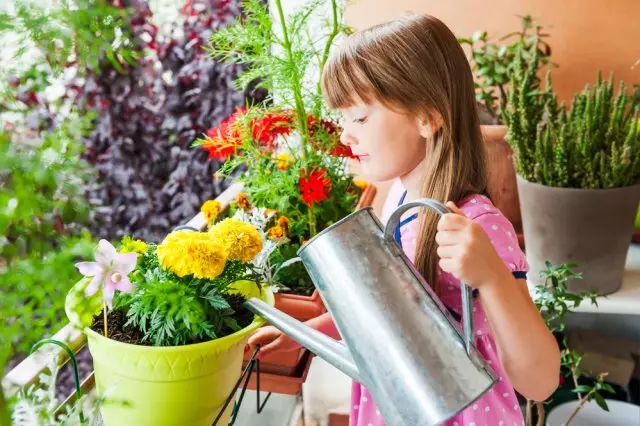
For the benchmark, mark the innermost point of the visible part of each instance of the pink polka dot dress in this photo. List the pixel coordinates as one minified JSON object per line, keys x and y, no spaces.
{"x":498,"y":407}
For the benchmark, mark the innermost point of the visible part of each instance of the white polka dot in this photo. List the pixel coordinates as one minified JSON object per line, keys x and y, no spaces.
{"x":369,"y":424}
{"x":475,"y":406}
{"x":479,"y":332}
{"x":456,"y":424}
{"x":467,"y":214}
{"x":501,"y":423}
{"x":355,"y":407}
{"x":472,"y":424}
{"x":512,"y":266}
{"x":515,"y":407}
{"x":510,"y":248}
{"x":486,"y":207}
{"x":494,"y":227}
{"x":475,"y":309}
{"x":506,"y":395}
{"x":450,"y":287}
{"x":365,"y":399}
{"x":489,"y":362}
{"x":487,"y":409}
{"x":378,"y":413}
{"x":509,"y":233}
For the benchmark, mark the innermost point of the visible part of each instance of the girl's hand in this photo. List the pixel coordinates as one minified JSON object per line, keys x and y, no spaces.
{"x":465,"y":250}
{"x":270,"y":340}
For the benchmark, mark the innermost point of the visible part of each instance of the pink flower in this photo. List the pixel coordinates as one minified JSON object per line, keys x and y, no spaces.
{"x":110,"y":270}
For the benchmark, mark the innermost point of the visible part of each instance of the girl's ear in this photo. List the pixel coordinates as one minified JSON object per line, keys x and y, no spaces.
{"x":429,"y":125}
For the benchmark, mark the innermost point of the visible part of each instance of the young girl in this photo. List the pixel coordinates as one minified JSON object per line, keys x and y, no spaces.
{"x":406,"y":94}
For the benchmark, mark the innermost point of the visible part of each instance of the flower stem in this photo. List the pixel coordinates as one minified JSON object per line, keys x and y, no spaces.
{"x":335,"y":29}
{"x":104,"y":312}
{"x":312,"y":223}
{"x":296,"y":83}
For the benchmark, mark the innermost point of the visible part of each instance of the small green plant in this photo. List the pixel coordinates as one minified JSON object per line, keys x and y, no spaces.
{"x":596,"y":144}
{"x":555,"y":301}
{"x":492,"y":63}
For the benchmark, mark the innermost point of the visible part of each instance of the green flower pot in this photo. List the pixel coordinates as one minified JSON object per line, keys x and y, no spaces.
{"x":167,"y":386}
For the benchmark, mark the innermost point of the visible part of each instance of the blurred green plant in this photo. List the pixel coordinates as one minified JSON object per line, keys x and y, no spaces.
{"x":42,"y":208}
{"x":83,"y":31}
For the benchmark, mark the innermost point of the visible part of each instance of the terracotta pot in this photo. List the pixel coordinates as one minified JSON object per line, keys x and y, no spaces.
{"x":280,"y":363}
{"x":283,"y":384}
{"x":589,"y":227}
{"x":300,"y":307}
{"x":304,"y":308}
{"x":502,"y":185}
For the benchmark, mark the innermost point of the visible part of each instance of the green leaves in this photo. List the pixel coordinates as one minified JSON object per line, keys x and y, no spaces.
{"x":493,"y":64}
{"x":87,"y":32}
{"x":595,"y":145}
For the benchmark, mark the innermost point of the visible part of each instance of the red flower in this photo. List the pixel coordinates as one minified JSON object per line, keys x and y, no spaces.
{"x":223,"y":141}
{"x":338,"y":149}
{"x":267,"y":128}
{"x":315,"y":187}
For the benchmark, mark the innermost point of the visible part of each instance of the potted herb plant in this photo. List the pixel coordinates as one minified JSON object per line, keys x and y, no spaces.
{"x":291,"y":151}
{"x":492,"y":64}
{"x":166,"y":323}
{"x":578,"y":174}
{"x":555,"y":301}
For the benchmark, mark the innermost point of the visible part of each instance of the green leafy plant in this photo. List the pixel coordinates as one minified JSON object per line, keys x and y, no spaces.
{"x":176,"y":293}
{"x":596,"y":144}
{"x":295,"y":162}
{"x":555,"y":302}
{"x":83,"y":30}
{"x":42,"y":209}
{"x":493,"y":63}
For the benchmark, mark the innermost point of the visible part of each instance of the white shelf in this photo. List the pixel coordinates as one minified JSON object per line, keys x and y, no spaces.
{"x":625,"y":301}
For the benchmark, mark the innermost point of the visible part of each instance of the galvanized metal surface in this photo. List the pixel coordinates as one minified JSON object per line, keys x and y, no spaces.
{"x":408,"y":351}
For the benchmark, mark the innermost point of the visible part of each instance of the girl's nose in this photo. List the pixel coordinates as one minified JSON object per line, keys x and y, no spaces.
{"x":347,"y":138}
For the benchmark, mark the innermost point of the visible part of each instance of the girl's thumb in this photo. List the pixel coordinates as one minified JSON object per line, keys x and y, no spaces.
{"x":455,"y":209}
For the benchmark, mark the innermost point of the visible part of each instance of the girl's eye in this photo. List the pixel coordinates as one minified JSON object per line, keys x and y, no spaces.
{"x":360,"y":120}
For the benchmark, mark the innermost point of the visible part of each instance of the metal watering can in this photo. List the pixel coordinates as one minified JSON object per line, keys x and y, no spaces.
{"x":402,"y":344}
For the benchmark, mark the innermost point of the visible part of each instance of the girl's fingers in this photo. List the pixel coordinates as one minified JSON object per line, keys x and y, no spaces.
{"x":446,"y":238}
{"x":455,"y":209}
{"x":451,"y":222}
{"x":446,"y":252}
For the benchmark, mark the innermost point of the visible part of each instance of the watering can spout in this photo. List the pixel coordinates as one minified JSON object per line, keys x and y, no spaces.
{"x":335,"y":353}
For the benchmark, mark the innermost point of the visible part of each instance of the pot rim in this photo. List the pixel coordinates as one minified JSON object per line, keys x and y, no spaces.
{"x":267,"y":296}
{"x":563,"y":188}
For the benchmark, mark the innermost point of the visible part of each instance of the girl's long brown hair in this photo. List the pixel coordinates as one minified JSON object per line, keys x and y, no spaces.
{"x":415,"y":64}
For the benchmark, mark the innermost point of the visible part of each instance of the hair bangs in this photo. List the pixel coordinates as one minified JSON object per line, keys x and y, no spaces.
{"x":345,"y":81}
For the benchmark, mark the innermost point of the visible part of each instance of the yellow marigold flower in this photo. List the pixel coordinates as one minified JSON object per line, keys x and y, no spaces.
{"x":284,"y":161}
{"x":211,"y":209}
{"x":275,"y":232}
{"x":361,"y":183}
{"x":241,"y":239}
{"x":243,"y":201}
{"x":192,"y":253}
{"x":129,"y":245}
{"x":283,"y":222}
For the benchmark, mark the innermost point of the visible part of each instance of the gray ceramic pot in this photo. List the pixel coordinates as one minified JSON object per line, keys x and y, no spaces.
{"x":589,"y":227}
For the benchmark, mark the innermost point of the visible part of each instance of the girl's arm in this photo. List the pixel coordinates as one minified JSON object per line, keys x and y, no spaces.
{"x":528,"y":351}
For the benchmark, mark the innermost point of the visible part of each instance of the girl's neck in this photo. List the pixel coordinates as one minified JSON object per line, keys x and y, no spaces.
{"x":413,"y":182}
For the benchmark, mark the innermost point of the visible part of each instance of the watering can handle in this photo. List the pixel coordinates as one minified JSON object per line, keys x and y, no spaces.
{"x":441,"y":209}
